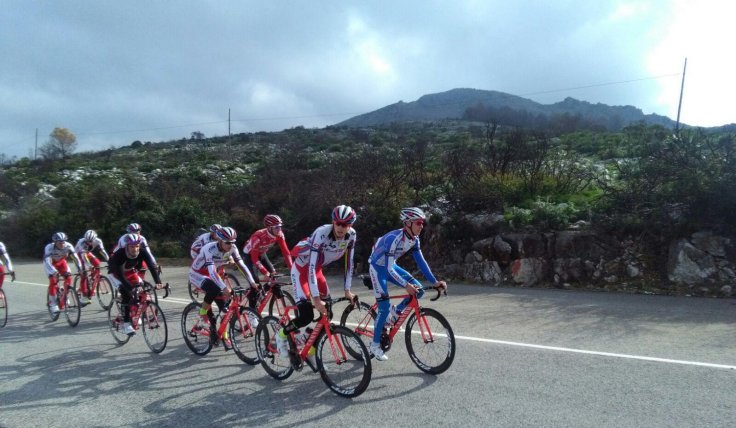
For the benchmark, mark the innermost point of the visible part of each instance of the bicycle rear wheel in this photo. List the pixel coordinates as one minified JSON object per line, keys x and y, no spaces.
{"x":430,"y":341}
{"x":345,"y":374}
{"x":3,"y":309}
{"x":242,"y":334}
{"x":105,"y":292}
{"x":196,"y":294}
{"x":195,"y":331}
{"x":115,"y":320}
{"x":72,"y":310}
{"x":276,"y":366}
{"x":155,"y":331}
{"x":280,"y":303}
{"x":53,"y":315}
{"x":361,"y":321}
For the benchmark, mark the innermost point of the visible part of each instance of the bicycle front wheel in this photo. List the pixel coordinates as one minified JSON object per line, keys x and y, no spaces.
{"x":430,"y":341}
{"x":152,"y":295}
{"x":105,"y":292}
{"x":361,"y":320}
{"x":196,"y":294}
{"x":155,"y":331}
{"x":194,"y":329}
{"x":72,"y":310}
{"x":243,"y":333}
{"x":277,"y":304}
{"x":3,"y":309}
{"x":345,"y":374}
{"x":276,"y":366}
{"x":115,"y":320}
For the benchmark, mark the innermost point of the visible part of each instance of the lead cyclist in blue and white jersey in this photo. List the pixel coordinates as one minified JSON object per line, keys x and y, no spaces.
{"x":383,"y":269}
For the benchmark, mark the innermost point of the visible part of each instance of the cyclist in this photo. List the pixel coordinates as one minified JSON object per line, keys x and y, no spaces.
{"x":205,"y":274}
{"x":54,"y":262}
{"x":85,"y":248}
{"x":256,"y":249}
{"x":327,"y":244}
{"x":136,"y":228}
{"x":5,"y":261}
{"x":203,"y":240}
{"x":383,"y":269}
{"x":124,"y":268}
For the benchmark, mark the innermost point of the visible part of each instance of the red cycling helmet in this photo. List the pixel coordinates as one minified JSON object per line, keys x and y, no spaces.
{"x":272,"y":220}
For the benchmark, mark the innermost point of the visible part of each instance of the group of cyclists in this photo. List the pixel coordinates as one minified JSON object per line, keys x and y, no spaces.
{"x":211,"y":251}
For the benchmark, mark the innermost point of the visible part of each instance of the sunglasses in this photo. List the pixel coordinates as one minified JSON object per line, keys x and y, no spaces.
{"x":342,"y":224}
{"x":420,"y":222}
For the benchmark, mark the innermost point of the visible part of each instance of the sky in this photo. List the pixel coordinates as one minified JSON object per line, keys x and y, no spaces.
{"x":113,"y":72}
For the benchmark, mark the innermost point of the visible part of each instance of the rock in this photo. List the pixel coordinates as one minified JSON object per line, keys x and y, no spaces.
{"x":529,"y":271}
{"x":726,"y":290}
{"x":689,"y":265}
{"x":632,"y":271}
{"x":473,"y":257}
{"x":707,"y":242}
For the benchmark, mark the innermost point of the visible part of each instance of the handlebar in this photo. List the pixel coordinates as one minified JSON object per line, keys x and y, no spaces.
{"x":440,"y":291}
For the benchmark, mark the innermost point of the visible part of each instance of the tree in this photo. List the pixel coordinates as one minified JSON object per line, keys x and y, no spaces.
{"x":61,"y":144}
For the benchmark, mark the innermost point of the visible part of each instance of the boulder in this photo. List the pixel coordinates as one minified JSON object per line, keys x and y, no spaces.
{"x":529,"y":271}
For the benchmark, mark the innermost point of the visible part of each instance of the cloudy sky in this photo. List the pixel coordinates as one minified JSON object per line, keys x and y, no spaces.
{"x":113,"y":72}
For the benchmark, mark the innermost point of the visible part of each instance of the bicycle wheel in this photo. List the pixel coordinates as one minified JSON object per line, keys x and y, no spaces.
{"x":105,"y":292}
{"x":280,"y":303}
{"x":155,"y":331}
{"x":345,"y":374}
{"x":53,"y":315}
{"x":115,"y":320}
{"x":152,"y":295}
{"x":72,"y":310}
{"x":361,"y":321}
{"x":231,"y":280}
{"x":195,"y":331}
{"x":3,"y":309}
{"x":276,"y":366}
{"x":430,"y":341}
{"x":243,"y":333}
{"x":196,"y":294}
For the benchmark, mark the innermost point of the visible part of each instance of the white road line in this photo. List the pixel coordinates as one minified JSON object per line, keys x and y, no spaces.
{"x":528,"y":345}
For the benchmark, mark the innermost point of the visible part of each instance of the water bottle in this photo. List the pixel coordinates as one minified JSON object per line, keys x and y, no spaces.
{"x":301,"y":338}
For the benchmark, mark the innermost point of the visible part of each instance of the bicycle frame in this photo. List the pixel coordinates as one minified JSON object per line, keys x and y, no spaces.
{"x":270,"y":294}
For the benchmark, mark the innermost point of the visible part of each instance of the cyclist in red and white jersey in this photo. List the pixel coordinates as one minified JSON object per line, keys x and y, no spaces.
{"x":327,"y":244}
{"x":54,"y":262}
{"x":136,"y":228}
{"x":256,"y":251}
{"x":5,"y":261}
{"x":203,"y":240}
{"x":205,"y":274}
{"x":85,"y":248}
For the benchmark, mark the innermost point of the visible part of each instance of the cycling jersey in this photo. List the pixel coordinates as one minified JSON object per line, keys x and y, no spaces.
{"x":144,"y":247}
{"x":208,"y":263}
{"x":5,"y":257}
{"x":53,"y":257}
{"x":200,"y":242}
{"x":260,"y":242}
{"x":392,"y":246}
{"x":320,"y":249}
{"x":120,"y":266}
{"x":83,"y":247}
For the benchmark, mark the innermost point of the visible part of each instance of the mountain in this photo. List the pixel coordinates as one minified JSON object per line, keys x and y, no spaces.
{"x":461,"y":103}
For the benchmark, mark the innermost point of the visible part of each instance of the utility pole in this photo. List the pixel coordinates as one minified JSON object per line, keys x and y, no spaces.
{"x":35,"y":151}
{"x":679,"y":105}
{"x":229,"y":135}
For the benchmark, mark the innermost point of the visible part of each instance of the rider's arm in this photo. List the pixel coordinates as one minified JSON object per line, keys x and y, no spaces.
{"x":47,"y":262}
{"x":241,"y":265}
{"x":422,"y":263}
{"x":152,"y":266}
{"x":285,"y":251}
{"x":315,"y":251}
{"x":75,"y":258}
{"x":151,"y":261}
{"x":101,"y":248}
{"x":6,"y":257}
{"x":349,"y":265}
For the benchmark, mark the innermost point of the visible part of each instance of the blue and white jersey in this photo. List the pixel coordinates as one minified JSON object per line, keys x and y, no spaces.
{"x":392,"y":246}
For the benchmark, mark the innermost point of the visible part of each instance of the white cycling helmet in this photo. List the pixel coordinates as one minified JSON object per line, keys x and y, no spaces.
{"x":412,"y":214}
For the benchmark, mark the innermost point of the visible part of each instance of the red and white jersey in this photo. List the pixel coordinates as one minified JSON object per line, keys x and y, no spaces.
{"x":6,"y":257}
{"x":52,"y":254}
{"x":83,"y":247}
{"x":260,"y":242}
{"x":323,"y":248}
{"x":200,"y":242}
{"x":211,"y":258}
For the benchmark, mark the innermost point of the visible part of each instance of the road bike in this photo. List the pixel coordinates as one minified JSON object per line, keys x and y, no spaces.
{"x":272,"y":294}
{"x":240,"y":321}
{"x":4,"y":303}
{"x":197,"y":294}
{"x":67,"y":301}
{"x":144,"y":313}
{"x":340,"y":357}
{"x":99,"y":284}
{"x":429,"y":339}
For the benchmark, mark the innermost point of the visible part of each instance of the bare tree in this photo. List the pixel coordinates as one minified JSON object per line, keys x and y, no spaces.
{"x":61,"y":144}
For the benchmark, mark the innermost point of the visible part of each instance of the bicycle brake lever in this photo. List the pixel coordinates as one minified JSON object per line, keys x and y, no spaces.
{"x":168,"y":290}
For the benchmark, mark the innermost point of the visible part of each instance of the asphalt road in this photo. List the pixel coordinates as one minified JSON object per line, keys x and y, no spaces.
{"x":525,"y":357}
